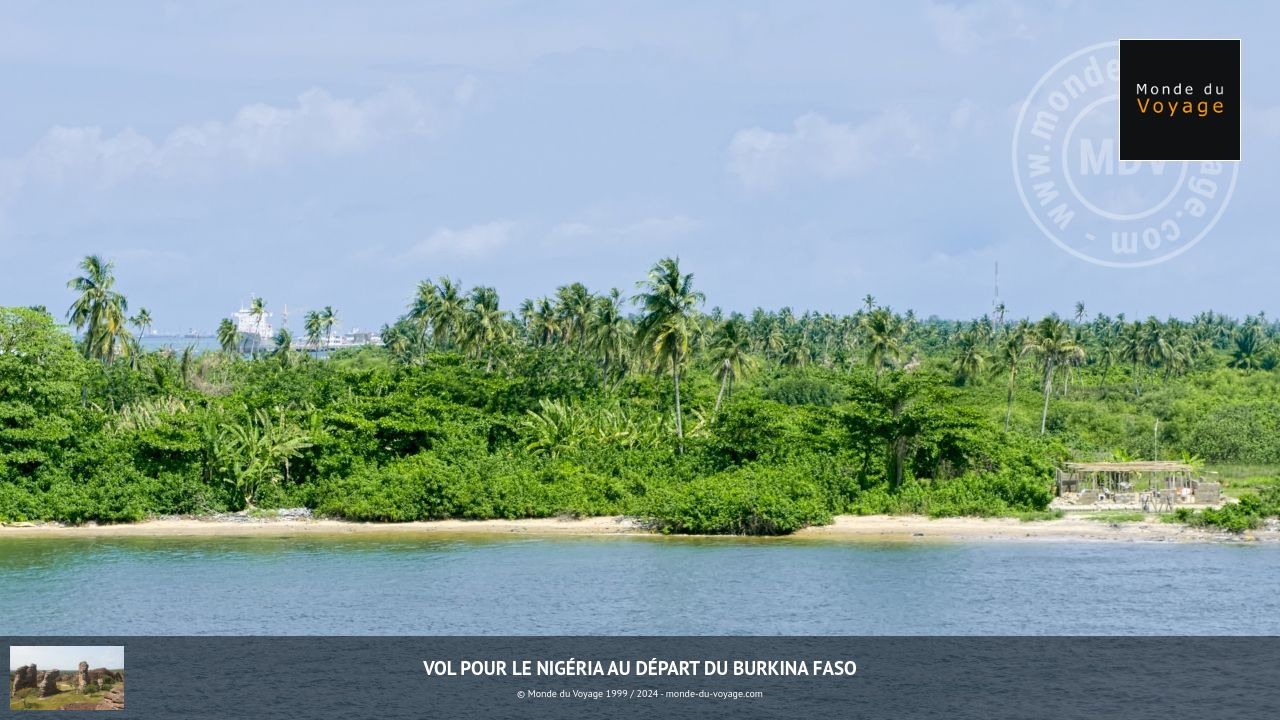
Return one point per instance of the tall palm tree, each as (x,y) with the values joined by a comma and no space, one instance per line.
(258,310)
(328,319)
(422,309)
(731,355)
(448,313)
(970,358)
(1011,350)
(485,324)
(668,304)
(608,331)
(543,325)
(574,305)
(1052,341)
(142,321)
(1107,349)
(313,325)
(228,336)
(883,334)
(775,341)
(1134,349)
(99,310)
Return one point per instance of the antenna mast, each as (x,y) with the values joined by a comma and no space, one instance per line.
(995,296)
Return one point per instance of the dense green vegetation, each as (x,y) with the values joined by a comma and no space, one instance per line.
(587,404)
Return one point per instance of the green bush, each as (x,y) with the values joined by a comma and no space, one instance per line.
(414,488)
(743,501)
(805,391)
(978,494)
(1248,514)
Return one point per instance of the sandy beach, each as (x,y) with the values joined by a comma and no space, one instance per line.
(908,528)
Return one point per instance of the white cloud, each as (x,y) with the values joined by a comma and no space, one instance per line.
(476,241)
(257,135)
(817,147)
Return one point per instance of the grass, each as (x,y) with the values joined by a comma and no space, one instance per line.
(1117,516)
(1038,515)
(1241,479)
(28,700)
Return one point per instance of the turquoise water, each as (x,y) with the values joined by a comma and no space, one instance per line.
(499,586)
(178,344)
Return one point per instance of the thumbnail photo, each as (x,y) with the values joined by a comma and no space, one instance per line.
(66,677)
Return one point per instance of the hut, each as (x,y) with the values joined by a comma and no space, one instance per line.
(1154,484)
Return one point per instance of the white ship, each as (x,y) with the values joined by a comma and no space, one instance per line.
(257,332)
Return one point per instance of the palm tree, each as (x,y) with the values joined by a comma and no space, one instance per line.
(1134,349)
(228,336)
(730,353)
(99,310)
(1052,341)
(484,324)
(1011,350)
(883,333)
(608,330)
(574,304)
(970,360)
(541,322)
(668,304)
(1080,311)
(794,353)
(283,350)
(1251,347)
(142,321)
(396,340)
(1108,350)
(448,313)
(313,325)
(328,318)
(421,309)
(258,311)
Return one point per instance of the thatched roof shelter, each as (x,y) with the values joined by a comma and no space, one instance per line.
(1140,466)
(1124,476)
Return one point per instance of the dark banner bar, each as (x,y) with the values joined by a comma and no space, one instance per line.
(693,677)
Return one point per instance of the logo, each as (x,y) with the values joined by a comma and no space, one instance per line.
(1082,196)
(1180,100)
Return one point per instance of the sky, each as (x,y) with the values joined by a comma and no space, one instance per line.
(66,657)
(791,154)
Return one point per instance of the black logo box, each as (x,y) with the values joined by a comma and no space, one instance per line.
(1186,67)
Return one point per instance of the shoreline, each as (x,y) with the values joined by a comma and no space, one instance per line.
(850,528)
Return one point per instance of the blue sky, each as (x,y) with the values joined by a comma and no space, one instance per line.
(66,657)
(800,154)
